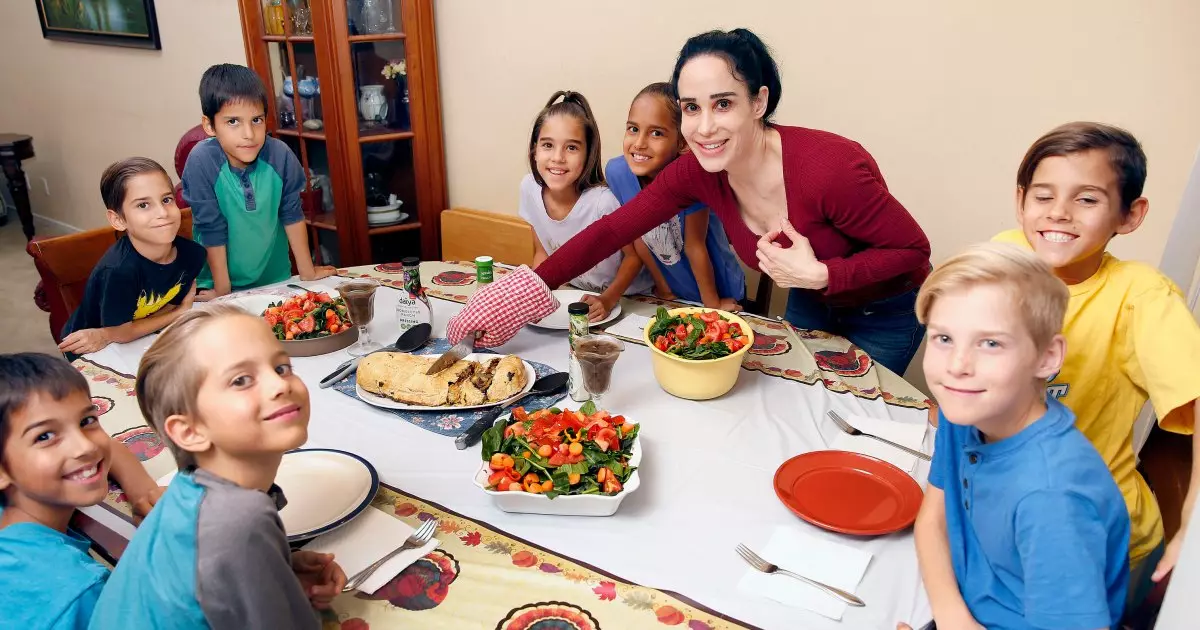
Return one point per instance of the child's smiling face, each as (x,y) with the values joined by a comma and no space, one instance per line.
(241,129)
(250,403)
(1071,210)
(149,212)
(652,138)
(561,152)
(56,455)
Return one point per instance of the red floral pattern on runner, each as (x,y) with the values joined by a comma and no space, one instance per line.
(423,585)
(850,362)
(142,441)
(453,279)
(549,616)
(102,404)
(769,345)
(392,268)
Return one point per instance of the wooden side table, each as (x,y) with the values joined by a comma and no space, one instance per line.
(15,147)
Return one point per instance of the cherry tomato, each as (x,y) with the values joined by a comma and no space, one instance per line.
(681,330)
(601,475)
(547,485)
(661,343)
(500,461)
(575,448)
(514,487)
(709,316)
(722,325)
(545,450)
(612,485)
(307,324)
(735,329)
(557,459)
(497,478)
(519,414)
(272,319)
(288,335)
(533,487)
(532,478)
(572,478)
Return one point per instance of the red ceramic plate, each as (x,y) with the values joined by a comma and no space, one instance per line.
(848,493)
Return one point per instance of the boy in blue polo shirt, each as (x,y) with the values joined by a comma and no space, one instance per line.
(244,189)
(1022,525)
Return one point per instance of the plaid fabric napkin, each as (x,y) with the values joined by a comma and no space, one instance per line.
(450,422)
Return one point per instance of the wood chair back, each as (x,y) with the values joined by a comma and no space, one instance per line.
(469,233)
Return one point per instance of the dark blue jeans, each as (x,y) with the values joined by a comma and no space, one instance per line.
(887,330)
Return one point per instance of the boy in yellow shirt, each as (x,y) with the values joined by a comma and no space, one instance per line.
(1129,332)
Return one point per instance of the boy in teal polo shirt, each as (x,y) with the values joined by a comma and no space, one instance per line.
(244,189)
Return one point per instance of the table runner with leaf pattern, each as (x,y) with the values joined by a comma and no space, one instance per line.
(824,359)
(480,576)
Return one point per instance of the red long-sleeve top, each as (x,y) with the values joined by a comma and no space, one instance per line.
(836,197)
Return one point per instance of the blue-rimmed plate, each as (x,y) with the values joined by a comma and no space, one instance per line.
(325,489)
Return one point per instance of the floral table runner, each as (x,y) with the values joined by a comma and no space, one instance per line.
(822,359)
(480,577)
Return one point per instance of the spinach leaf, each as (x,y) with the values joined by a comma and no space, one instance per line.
(662,323)
(493,439)
(588,408)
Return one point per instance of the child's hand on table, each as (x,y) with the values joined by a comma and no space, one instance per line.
(143,504)
(598,307)
(324,271)
(321,577)
(85,341)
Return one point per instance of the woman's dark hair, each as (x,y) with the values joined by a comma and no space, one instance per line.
(116,178)
(1125,155)
(575,105)
(748,57)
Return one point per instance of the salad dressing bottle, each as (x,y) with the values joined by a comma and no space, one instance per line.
(412,307)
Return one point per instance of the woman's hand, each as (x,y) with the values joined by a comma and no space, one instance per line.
(501,308)
(795,267)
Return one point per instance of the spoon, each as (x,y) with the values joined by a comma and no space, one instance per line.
(412,339)
(545,385)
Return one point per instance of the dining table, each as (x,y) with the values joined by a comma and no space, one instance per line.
(665,558)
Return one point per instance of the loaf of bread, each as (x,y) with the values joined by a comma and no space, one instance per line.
(401,377)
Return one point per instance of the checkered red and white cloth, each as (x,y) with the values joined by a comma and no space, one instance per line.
(501,308)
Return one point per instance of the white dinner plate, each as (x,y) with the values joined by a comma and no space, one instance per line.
(559,320)
(388,403)
(325,489)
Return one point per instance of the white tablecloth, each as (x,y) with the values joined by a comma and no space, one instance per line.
(706,477)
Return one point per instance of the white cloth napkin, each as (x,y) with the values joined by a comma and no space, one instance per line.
(367,538)
(910,435)
(827,562)
(630,327)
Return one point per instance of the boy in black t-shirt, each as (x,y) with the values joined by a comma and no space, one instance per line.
(146,279)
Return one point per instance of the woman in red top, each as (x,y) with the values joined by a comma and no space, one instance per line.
(808,208)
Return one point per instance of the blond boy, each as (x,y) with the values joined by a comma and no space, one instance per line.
(1021,526)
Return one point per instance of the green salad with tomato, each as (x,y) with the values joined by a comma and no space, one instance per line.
(555,452)
(307,316)
(696,336)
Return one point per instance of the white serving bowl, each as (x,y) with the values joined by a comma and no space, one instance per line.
(564,505)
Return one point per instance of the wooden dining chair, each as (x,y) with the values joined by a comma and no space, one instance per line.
(469,233)
(65,262)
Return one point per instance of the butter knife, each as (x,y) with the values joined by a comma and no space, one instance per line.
(455,354)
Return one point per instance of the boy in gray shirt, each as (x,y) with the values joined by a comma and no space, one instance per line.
(219,388)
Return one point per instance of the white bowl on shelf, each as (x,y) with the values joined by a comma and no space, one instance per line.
(564,505)
(386,218)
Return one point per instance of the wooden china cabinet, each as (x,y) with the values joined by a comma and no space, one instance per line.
(362,137)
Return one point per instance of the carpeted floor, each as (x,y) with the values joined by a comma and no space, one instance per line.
(23,326)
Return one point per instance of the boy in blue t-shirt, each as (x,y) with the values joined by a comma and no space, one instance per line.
(688,256)
(1022,525)
(244,189)
(213,553)
(54,457)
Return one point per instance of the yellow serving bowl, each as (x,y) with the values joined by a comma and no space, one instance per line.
(698,379)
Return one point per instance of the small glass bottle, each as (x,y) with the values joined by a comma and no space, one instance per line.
(577,313)
(412,307)
(484,272)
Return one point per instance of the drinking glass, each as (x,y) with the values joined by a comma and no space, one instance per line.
(360,302)
(596,355)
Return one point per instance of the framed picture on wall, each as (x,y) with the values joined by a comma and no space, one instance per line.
(129,23)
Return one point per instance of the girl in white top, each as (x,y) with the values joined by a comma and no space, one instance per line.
(565,192)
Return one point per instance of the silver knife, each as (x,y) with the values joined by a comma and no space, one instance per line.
(340,373)
(455,354)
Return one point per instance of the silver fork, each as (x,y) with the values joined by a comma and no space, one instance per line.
(760,564)
(849,428)
(417,539)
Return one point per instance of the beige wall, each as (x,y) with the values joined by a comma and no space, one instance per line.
(946,94)
(87,106)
